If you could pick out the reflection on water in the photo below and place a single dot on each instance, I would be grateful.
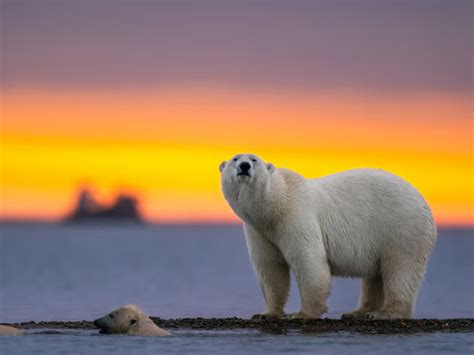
(236, 342)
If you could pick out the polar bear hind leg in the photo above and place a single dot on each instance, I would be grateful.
(400, 286)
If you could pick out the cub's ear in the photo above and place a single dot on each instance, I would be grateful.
(270, 167)
(222, 166)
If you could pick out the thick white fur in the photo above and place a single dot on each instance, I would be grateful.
(363, 223)
(129, 320)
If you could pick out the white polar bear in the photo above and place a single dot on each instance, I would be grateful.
(129, 320)
(363, 223)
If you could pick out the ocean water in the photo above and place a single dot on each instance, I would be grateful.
(67, 272)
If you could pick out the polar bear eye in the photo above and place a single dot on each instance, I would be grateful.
(111, 315)
(254, 160)
(235, 159)
(133, 321)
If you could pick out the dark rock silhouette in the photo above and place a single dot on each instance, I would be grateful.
(124, 209)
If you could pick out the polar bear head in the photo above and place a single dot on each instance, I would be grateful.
(245, 169)
(244, 178)
(121, 320)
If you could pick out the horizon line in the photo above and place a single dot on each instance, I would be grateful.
(155, 222)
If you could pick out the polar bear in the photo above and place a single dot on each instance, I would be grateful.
(129, 320)
(364, 223)
(7, 330)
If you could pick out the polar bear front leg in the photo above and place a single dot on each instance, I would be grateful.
(307, 259)
(272, 271)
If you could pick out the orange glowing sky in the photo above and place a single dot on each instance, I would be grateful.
(149, 97)
(167, 146)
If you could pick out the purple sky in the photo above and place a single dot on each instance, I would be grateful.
(369, 46)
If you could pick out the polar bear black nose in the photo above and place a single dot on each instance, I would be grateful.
(244, 167)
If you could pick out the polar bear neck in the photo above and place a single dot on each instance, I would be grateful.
(263, 202)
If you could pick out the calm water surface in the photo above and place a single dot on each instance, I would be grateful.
(53, 272)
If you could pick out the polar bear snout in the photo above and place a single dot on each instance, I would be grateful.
(112, 323)
(243, 169)
(101, 324)
(98, 322)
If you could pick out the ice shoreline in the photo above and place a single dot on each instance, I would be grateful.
(462, 325)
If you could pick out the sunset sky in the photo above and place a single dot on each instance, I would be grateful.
(150, 96)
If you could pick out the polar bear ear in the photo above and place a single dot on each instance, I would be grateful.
(222, 166)
(270, 167)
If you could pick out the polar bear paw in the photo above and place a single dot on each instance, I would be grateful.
(354, 315)
(381, 314)
(266, 316)
(300, 315)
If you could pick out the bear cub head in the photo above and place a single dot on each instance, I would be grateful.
(129, 320)
(120, 320)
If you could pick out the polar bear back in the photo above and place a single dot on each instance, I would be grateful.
(387, 212)
(146, 327)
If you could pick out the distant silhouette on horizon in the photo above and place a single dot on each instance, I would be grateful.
(124, 209)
